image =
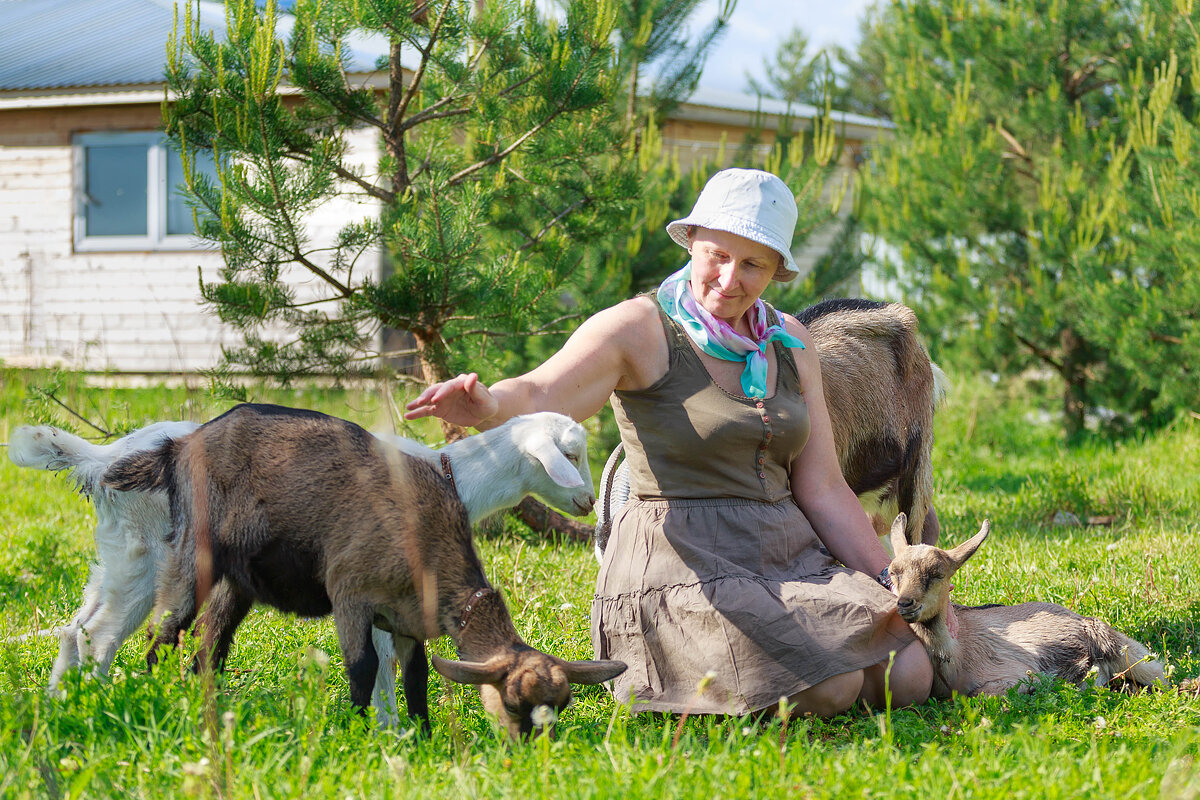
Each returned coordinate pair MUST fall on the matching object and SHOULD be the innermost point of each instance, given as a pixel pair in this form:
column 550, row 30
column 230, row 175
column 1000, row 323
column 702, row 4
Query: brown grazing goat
column 998, row 646
column 312, row 515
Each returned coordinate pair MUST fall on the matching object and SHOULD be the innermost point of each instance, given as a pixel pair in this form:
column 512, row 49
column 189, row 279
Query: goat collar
column 448, row 474
column 472, row 604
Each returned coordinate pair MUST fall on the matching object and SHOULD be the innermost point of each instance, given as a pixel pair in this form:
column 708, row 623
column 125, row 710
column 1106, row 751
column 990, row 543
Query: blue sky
column 758, row 26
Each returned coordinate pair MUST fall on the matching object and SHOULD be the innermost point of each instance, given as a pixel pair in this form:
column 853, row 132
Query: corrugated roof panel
column 51, row 44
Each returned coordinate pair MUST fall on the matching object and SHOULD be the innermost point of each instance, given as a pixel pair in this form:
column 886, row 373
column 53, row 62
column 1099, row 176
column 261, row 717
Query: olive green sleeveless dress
column 714, row 589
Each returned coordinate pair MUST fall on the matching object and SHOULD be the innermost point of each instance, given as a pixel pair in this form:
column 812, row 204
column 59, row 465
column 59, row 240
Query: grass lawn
column 278, row 724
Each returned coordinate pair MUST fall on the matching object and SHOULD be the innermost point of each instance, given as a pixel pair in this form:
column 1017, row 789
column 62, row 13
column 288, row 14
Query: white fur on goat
column 131, row 531
column 998, row 647
column 543, row 454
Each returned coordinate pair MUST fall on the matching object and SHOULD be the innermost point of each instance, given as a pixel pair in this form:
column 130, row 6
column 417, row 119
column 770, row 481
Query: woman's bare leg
column 910, row 680
column 830, row 697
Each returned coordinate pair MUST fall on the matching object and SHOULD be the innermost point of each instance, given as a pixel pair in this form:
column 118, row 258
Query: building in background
column 99, row 270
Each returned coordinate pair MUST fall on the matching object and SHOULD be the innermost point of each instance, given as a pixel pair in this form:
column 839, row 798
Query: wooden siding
column 121, row 311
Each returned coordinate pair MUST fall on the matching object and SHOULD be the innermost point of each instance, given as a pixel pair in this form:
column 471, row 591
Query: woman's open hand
column 462, row 400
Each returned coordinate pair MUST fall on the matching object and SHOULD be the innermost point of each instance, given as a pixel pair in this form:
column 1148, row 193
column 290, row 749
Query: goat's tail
column 941, row 386
column 1119, row 656
column 143, row 471
column 46, row 447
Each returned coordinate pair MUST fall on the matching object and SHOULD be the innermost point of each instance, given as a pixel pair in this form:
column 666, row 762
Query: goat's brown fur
column 998, row 646
column 310, row 514
column 881, row 392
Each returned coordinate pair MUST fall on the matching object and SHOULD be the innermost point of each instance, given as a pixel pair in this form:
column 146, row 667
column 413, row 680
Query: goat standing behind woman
column 997, row 646
column 313, row 515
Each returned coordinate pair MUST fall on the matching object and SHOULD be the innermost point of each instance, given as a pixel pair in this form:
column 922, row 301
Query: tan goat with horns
column 1000, row 646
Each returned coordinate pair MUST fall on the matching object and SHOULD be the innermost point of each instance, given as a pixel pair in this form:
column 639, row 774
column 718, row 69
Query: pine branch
column 537, row 237
column 51, row 396
column 495, row 157
column 372, row 190
column 1039, row 351
column 397, row 106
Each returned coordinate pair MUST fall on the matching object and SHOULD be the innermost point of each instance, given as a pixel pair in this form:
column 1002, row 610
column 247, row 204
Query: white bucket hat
column 750, row 203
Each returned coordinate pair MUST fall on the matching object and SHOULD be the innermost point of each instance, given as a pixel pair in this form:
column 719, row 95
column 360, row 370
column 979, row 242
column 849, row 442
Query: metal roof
column 55, row 44
column 736, row 101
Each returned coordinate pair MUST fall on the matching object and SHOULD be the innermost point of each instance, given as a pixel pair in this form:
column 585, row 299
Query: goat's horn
column 471, row 672
column 588, row 672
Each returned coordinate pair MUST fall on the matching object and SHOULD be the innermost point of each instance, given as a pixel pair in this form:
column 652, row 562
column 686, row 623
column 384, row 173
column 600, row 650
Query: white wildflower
column 543, row 716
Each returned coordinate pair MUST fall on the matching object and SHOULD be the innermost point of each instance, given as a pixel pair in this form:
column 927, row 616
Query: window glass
column 179, row 214
column 116, row 180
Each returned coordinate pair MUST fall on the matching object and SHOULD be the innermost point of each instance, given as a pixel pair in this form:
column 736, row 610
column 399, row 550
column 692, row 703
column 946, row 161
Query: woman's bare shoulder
column 634, row 329
column 797, row 329
column 807, row 363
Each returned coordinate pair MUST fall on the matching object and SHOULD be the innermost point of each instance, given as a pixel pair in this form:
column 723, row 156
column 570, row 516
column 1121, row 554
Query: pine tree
column 795, row 72
column 1041, row 190
column 502, row 172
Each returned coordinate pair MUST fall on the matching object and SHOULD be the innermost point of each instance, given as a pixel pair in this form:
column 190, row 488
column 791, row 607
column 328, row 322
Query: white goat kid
column 544, row 454
column 998, row 646
column 131, row 533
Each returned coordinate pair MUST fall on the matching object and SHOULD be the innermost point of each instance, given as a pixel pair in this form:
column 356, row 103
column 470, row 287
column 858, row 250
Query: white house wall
column 119, row 311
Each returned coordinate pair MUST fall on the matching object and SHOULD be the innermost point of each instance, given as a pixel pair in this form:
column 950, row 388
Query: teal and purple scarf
column 717, row 338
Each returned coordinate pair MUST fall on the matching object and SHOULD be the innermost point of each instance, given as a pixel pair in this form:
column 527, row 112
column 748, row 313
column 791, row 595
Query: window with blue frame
column 128, row 193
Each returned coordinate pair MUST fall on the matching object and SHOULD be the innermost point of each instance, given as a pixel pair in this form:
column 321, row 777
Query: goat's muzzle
column 909, row 609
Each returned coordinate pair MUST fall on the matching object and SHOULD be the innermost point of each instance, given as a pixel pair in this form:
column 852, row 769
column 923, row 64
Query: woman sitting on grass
column 721, row 586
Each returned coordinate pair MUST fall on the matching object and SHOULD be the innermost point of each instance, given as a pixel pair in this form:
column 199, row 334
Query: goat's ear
column 471, row 672
column 589, row 672
column 960, row 554
column 899, row 534
column 561, row 471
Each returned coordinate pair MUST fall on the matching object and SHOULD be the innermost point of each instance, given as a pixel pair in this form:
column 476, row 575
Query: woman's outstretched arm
column 622, row 347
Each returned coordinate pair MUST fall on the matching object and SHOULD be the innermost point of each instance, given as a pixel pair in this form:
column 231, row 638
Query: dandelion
column 1101, row 723
column 317, row 656
column 945, row 729
column 543, row 716
column 198, row 768
column 704, row 683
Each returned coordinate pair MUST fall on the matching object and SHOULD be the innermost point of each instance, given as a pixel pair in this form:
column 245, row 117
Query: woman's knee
column 831, row 696
column 909, row 679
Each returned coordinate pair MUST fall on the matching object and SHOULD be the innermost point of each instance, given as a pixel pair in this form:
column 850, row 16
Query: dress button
column 762, row 475
column 761, row 460
column 766, row 418
column 759, row 404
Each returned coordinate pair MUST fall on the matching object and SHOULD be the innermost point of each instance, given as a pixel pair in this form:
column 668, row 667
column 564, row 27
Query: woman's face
column 729, row 273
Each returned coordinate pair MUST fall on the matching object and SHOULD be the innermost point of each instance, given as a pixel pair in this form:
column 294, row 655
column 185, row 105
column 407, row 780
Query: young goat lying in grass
column 313, row 515
column 543, row 454
column 998, row 646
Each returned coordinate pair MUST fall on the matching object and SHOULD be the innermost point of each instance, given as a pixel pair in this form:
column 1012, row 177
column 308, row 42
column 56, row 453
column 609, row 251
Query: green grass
column 278, row 724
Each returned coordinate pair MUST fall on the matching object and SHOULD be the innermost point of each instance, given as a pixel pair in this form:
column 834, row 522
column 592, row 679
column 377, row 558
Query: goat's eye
column 574, row 459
